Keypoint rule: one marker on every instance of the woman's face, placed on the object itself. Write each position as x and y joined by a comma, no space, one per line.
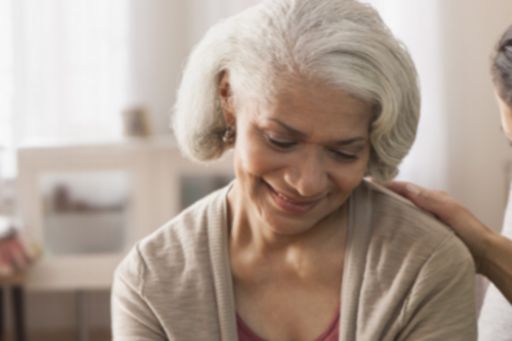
298,159
506,116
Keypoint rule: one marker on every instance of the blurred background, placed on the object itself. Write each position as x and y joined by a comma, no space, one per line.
86,88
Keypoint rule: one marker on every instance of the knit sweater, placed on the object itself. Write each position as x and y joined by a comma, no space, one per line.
405,276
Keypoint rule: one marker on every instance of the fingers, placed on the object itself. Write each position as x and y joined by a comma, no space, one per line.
435,202
471,230
413,192
405,189
440,204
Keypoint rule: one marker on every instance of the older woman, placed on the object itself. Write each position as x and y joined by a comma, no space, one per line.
311,96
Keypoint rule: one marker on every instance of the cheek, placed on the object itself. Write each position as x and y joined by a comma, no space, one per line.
253,158
348,177
347,181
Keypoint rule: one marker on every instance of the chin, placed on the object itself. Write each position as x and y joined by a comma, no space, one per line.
286,220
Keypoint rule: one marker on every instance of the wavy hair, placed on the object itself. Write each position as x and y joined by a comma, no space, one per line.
342,42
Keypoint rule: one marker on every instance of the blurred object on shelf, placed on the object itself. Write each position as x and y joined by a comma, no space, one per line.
136,122
16,254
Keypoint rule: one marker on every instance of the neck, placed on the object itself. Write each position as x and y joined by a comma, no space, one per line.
253,239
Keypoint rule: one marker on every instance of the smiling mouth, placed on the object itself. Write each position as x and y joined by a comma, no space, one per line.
291,205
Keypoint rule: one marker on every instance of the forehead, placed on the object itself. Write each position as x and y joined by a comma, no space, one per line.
319,109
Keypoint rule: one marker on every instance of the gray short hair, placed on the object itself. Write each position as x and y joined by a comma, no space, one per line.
342,42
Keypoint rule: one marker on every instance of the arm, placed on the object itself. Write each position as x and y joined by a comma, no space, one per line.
132,317
497,264
492,252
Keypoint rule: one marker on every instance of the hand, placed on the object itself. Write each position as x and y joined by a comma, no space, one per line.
473,233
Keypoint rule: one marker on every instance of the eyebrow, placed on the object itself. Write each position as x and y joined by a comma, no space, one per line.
301,135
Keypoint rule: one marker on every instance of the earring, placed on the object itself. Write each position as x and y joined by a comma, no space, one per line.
229,135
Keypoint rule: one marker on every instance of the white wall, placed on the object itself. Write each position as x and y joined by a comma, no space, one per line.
159,39
478,151
459,147
162,34
417,25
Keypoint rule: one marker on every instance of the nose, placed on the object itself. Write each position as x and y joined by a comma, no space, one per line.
307,175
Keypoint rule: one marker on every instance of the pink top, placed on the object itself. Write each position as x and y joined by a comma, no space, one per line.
331,334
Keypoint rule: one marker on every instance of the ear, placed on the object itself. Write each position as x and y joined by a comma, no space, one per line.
226,98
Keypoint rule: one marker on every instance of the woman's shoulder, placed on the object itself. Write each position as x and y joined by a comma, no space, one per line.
170,275
409,231
180,245
418,277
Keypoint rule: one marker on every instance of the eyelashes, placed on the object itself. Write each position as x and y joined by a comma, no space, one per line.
283,144
343,156
287,145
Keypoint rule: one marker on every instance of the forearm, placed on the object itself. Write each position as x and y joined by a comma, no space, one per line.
496,264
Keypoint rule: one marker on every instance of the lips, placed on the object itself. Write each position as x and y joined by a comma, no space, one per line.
289,204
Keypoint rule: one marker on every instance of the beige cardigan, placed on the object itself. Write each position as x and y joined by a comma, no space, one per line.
406,277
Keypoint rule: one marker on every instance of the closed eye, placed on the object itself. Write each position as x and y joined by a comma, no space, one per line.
280,143
340,155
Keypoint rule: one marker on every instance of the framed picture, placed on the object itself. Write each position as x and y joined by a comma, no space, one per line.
86,206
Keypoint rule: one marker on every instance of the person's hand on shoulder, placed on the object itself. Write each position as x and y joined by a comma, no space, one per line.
473,233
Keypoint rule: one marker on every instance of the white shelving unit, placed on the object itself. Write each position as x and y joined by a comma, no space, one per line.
156,173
